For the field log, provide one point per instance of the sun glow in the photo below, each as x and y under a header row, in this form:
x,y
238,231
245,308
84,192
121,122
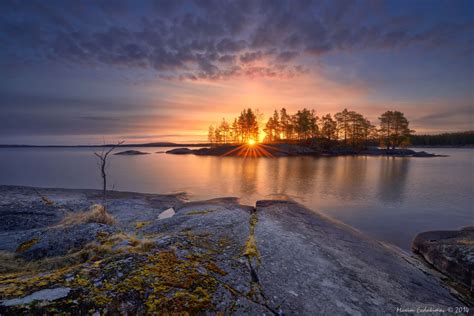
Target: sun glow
x,y
251,142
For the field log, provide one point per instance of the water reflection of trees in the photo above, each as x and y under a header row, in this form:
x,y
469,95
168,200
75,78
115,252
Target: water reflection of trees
x,y
393,178
347,178
248,170
350,180
299,175
294,175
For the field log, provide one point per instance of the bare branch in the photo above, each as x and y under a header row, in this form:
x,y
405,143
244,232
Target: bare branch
x,y
103,166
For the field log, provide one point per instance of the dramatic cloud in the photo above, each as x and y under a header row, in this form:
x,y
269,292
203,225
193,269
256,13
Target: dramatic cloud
x,y
75,71
215,39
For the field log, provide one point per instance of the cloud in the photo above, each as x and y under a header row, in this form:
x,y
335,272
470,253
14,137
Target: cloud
x,y
215,39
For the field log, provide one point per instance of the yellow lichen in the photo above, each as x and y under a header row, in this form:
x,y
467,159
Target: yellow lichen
x,y
26,245
250,248
162,280
211,266
140,225
81,281
102,235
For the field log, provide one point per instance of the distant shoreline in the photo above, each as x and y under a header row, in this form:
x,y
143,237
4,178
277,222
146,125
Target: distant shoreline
x,y
181,145
107,145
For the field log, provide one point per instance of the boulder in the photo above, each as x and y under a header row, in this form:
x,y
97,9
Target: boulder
x,y
450,252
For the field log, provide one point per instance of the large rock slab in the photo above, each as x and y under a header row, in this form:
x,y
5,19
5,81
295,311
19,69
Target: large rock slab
x,y
311,264
190,262
203,257
450,252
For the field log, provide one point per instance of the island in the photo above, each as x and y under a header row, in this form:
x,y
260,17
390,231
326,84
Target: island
x,y
131,153
71,251
286,150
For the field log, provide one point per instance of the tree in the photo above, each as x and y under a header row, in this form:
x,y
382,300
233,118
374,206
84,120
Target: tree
x,y
313,124
103,163
359,129
353,128
224,131
286,127
305,124
217,136
342,120
235,131
328,127
272,128
248,125
394,129
211,135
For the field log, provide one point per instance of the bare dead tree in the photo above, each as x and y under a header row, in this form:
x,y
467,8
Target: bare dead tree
x,y
103,155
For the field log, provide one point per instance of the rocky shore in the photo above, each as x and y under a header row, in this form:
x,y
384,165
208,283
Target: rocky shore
x,y
62,253
452,253
285,150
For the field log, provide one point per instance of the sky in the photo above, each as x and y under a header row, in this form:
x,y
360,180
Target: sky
x,y
88,72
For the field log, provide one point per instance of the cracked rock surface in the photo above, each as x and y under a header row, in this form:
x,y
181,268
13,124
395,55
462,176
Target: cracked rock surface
x,y
204,257
312,263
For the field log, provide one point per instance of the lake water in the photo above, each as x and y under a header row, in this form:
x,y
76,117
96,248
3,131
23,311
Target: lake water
x,y
390,198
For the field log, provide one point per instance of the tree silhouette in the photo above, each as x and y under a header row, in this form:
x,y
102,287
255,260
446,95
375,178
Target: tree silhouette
x,y
272,128
394,129
286,126
210,135
346,127
103,163
305,124
328,127
353,128
224,130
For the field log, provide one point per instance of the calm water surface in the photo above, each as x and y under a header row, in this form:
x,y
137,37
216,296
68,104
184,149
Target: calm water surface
x,y
390,198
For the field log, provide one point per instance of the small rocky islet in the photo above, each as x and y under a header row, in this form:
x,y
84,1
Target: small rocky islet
x,y
131,153
62,252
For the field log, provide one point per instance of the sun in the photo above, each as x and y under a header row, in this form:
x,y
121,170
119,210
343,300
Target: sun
x,y
251,142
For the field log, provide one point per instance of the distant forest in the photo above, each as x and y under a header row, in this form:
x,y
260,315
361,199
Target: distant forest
x,y
445,139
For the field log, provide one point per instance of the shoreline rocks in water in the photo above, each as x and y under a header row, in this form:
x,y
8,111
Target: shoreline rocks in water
x,y
450,252
131,153
213,256
288,150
